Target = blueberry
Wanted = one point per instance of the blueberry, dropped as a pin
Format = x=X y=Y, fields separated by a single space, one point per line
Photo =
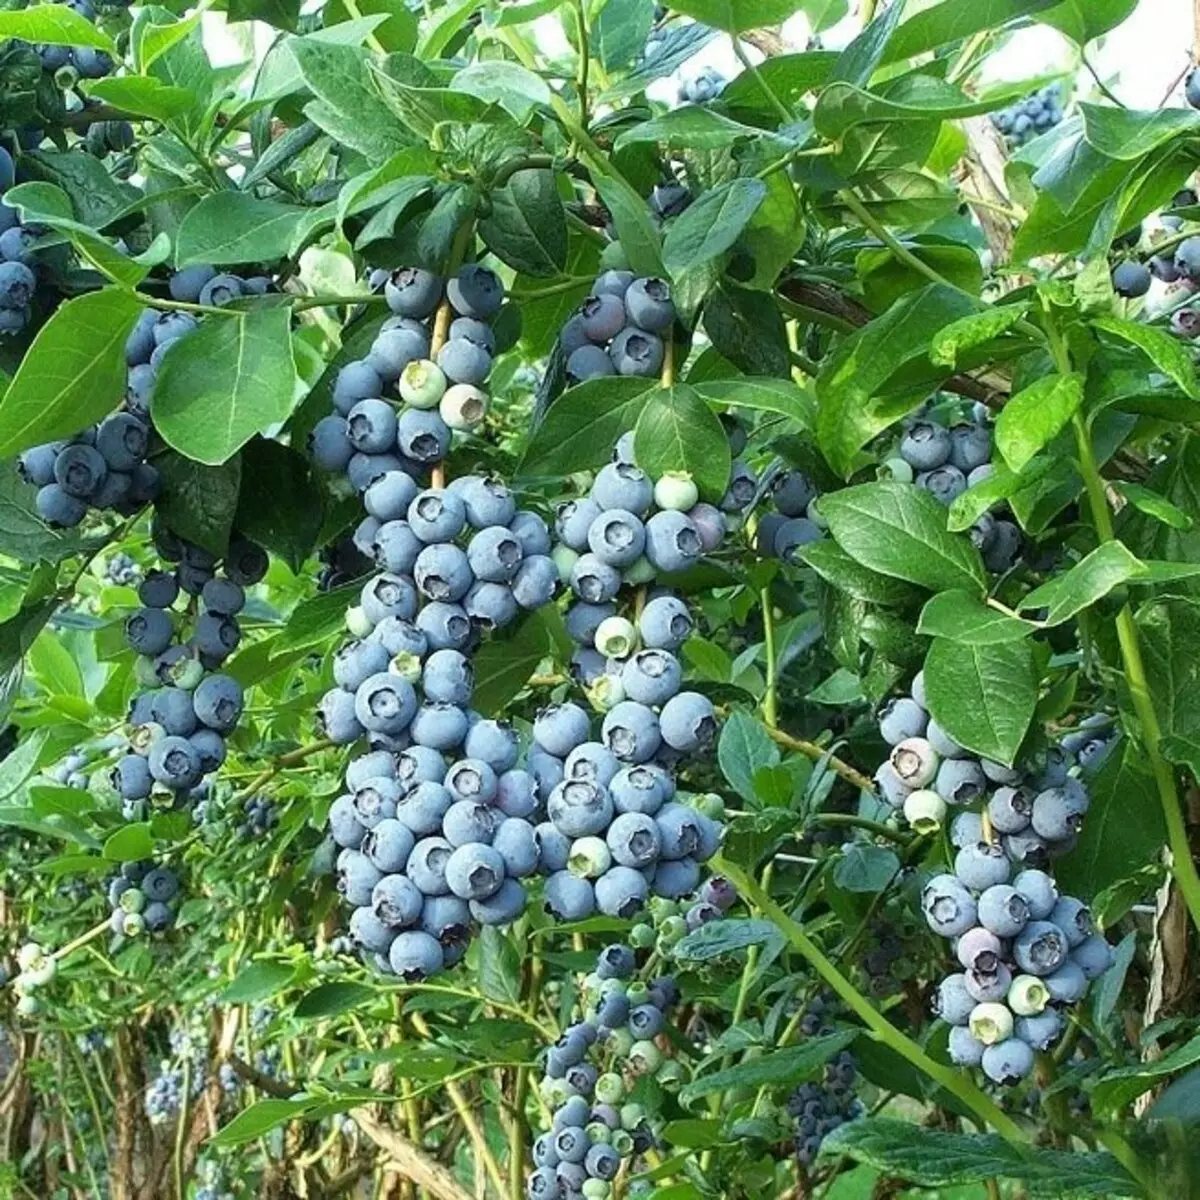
x=1039 y=891
x=79 y=471
x=376 y=800
x=960 y=781
x=535 y=582
x=1058 y=811
x=388 y=595
x=443 y=573
x=514 y=840
x=651 y=677
x=1093 y=956
x=634 y=840
x=368 y=932
x=595 y=581
x=149 y=631
x=131 y=777
x=216 y=636
x=329 y=444
x=223 y=596
x=422 y=436
x=446 y=626
x=901 y=719
x=949 y=908
x=415 y=956
x=588 y=362
x=791 y=535
x=688 y=722
x=475 y=871
x=371 y=426
x=175 y=762
x=185 y=284
x=463 y=361
x=492 y=742
x=17 y=285
x=385 y=703
x=982 y=865
x=1008 y=1062
x=602 y=317
x=636 y=352
x=665 y=623
x=672 y=541
x=210 y=745
x=388 y=498
x=1164 y=268
x=1073 y=917
x=475 y=292
x=621 y=892
x=396 y=901
x=580 y=808
x=623 y=486
x=926 y=445
x=159 y=589
x=439 y=726
x=220 y=290
x=573 y=521
x=36 y=466
x=91 y=63
x=1009 y=809
x=172 y=709
x=427 y=865
x=356 y=662
x=649 y=305
x=412 y=292
x=393 y=349
x=1041 y=948
x=246 y=562
x=1003 y=910
x=592 y=762
x=171 y=326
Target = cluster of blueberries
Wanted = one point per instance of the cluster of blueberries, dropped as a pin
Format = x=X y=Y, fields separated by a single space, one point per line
x=69 y=63
x=122 y=570
x=18 y=278
x=1131 y=278
x=595 y=1128
x=795 y=522
x=259 y=817
x=143 y=898
x=36 y=969
x=706 y=85
x=945 y=462
x=619 y=328
x=1024 y=120
x=1024 y=949
x=182 y=718
x=668 y=921
x=366 y=437
x=818 y=1108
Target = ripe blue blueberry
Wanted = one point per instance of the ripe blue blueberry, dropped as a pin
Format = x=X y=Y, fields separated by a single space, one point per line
x=631 y=731
x=79 y=471
x=665 y=623
x=1041 y=948
x=602 y=317
x=464 y=361
x=490 y=605
x=569 y=898
x=648 y=304
x=1009 y=809
x=397 y=901
x=926 y=445
x=415 y=955
x=637 y=789
x=1131 y=279
x=427 y=865
x=592 y=762
x=535 y=582
x=472 y=779
x=412 y=292
x=688 y=722
x=475 y=871
x=385 y=703
x=672 y=541
x=174 y=761
x=573 y=520
x=621 y=892
x=948 y=905
x=651 y=677
x=475 y=292
x=388 y=845
x=439 y=726
x=492 y=742
x=554 y=848
x=149 y=631
x=516 y=843
x=443 y=573
x=635 y=352
x=580 y=808
x=445 y=626
x=634 y=840
x=393 y=349
x=593 y=580
x=617 y=537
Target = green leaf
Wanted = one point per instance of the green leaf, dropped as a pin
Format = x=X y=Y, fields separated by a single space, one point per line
x=504 y=664
x=953 y=21
x=1089 y=580
x=499 y=966
x=397 y=33
x=1124 y=133
x=350 y=108
x=983 y=696
x=55 y=667
x=1177 y=479
x=198 y=502
x=719 y=938
x=853 y=375
x=581 y=427
x=677 y=431
x=747 y=328
x=899 y=529
x=908 y=1151
x=974 y=330
x=72 y=375
x=512 y=86
x=1170 y=636
x=1164 y=351
x=1122 y=1086
x=679 y=44
x=690 y=128
x=129 y=843
x=1036 y=415
x=619 y=32
x=967 y=508
x=233 y=227
x=315 y=621
x=279 y=505
x=963 y=617
x=837 y=568
x=1083 y=20
x=55 y=25
x=261 y=1117
x=775 y=1068
x=20 y=765
x=866 y=869
x=857 y=63
x=143 y=95
x=736 y=16
x=527 y=226
x=841 y=106
x=230 y=379
x=17 y=634
x=790 y=77
x=331 y=1000
x=744 y=747
x=1124 y=828
x=258 y=981
x=711 y=225
x=23 y=534
x=763 y=394
x=1154 y=505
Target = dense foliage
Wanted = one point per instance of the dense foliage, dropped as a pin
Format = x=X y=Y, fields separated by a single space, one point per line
x=576 y=627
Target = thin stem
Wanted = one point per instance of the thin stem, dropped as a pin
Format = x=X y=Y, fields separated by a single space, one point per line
x=752 y=67
x=304 y=303
x=290 y=759
x=853 y=821
x=819 y=753
x=372 y=41
x=582 y=36
x=531 y=162
x=667 y=378
x=981 y=1106
x=770 y=700
x=1104 y=88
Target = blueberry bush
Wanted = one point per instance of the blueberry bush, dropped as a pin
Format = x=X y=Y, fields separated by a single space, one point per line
x=577 y=624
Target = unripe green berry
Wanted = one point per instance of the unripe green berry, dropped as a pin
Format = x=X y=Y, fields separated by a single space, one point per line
x=632 y=1114
x=596 y=1189
x=614 y=258
x=599 y=1132
x=671 y=1074
x=30 y=956
x=406 y=665
x=616 y=637
x=605 y=693
x=132 y=900
x=711 y=805
x=676 y=490
x=639 y=572
x=555 y=1092
x=620 y=1042
x=638 y=993
x=924 y=810
x=358 y=623
x=610 y=1088
x=622 y=1142
x=133 y=925
x=564 y=559
x=896 y=468
x=144 y=674
x=661 y=908
x=590 y=857
x=144 y=736
x=645 y=1058
x=672 y=930
x=422 y=384
x=991 y=1023
x=463 y=406
x=28 y=1006
x=1027 y=995
x=642 y=937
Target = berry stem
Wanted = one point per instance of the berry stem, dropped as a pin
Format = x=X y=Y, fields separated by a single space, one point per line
x=983 y=1108
x=776 y=103
x=290 y=759
x=821 y=754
